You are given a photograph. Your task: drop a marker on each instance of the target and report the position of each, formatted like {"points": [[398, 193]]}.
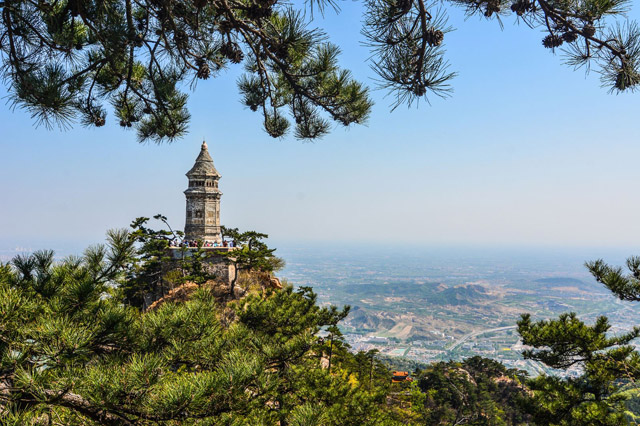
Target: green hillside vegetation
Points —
{"points": [[477, 391], [74, 352], [435, 294], [631, 392], [78, 346], [394, 363]]}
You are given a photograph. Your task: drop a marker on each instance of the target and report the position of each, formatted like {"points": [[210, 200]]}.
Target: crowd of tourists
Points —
{"points": [[196, 243]]}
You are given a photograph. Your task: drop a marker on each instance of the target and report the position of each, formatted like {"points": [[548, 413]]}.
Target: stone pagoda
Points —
{"points": [[203, 201]]}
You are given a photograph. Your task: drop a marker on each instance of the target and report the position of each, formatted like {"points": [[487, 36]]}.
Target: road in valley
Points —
{"points": [[466, 337]]}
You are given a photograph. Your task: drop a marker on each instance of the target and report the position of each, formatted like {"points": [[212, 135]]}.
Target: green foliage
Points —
{"points": [[76, 349], [631, 392], [73, 353], [252, 253], [625, 287], [146, 271], [401, 364], [152, 270], [477, 391], [604, 362], [65, 60]]}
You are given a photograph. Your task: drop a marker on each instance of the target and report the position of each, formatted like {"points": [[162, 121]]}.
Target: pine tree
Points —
{"points": [[73, 352], [152, 272], [252, 253], [477, 391], [67, 59], [605, 361]]}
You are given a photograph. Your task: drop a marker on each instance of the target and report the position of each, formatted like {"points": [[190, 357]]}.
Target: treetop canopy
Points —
{"points": [[66, 60]]}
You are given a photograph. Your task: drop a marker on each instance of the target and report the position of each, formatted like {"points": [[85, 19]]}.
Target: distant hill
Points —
{"points": [[568, 282], [440, 294], [460, 295], [359, 318], [561, 281]]}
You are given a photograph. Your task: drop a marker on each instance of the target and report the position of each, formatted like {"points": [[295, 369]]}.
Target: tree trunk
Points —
{"points": [[330, 353]]}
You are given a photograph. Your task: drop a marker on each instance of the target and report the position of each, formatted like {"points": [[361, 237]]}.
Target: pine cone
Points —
{"points": [[138, 40], [98, 121], [203, 69], [278, 49], [256, 11], [520, 7], [419, 89], [589, 30], [232, 52], [181, 37], [622, 81], [401, 5], [224, 27], [570, 37], [493, 6], [180, 9], [552, 41], [434, 37], [237, 57]]}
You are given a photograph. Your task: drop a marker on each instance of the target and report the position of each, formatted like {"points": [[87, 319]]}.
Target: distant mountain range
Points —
{"points": [[441, 294], [552, 282]]}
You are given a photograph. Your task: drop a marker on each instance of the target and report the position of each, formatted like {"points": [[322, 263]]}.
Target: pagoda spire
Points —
{"points": [[203, 166]]}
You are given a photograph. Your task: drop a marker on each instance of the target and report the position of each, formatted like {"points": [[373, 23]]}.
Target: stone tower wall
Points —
{"points": [[203, 200], [203, 217], [221, 267]]}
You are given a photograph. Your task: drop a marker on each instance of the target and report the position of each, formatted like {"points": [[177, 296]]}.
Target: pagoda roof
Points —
{"points": [[204, 164]]}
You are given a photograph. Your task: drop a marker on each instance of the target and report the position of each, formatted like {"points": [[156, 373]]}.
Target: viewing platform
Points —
{"points": [[210, 248], [216, 262]]}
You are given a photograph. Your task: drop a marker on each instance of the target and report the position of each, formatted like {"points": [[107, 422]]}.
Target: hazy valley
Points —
{"points": [[450, 304]]}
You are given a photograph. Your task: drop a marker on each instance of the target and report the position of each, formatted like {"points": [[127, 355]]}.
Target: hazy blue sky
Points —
{"points": [[527, 152]]}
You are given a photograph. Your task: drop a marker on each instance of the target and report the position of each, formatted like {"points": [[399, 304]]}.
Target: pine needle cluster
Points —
{"points": [[67, 60], [73, 352]]}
